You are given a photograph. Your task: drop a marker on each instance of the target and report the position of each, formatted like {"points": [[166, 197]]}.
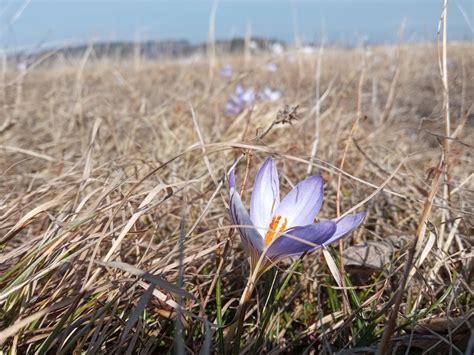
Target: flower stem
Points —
{"points": [[235, 331], [244, 300], [219, 315]]}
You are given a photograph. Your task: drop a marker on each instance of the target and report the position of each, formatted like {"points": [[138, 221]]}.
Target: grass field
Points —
{"points": [[115, 234]]}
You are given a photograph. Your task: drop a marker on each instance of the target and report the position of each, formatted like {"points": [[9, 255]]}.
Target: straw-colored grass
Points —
{"points": [[114, 230]]}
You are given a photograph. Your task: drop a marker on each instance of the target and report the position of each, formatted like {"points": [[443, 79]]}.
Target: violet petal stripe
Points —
{"points": [[346, 225], [252, 241], [265, 195], [232, 179], [285, 246], [303, 203]]}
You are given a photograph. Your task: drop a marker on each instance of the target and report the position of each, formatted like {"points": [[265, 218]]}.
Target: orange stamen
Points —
{"points": [[272, 232]]}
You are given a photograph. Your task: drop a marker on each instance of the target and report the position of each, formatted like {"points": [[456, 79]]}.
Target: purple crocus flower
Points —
{"points": [[241, 99], [226, 71], [268, 94], [280, 229], [271, 67]]}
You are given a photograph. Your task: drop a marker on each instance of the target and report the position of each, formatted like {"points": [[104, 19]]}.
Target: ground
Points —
{"points": [[115, 233]]}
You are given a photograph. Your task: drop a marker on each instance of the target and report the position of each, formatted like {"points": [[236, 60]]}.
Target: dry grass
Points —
{"points": [[113, 202]]}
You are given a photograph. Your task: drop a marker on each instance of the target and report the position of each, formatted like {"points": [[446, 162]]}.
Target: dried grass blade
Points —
{"points": [[26, 219], [333, 267], [138, 310], [148, 277], [23, 322]]}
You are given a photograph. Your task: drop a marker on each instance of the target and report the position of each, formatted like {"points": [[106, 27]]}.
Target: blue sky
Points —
{"points": [[44, 23]]}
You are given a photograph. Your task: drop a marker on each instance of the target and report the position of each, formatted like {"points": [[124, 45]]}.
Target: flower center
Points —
{"points": [[273, 231]]}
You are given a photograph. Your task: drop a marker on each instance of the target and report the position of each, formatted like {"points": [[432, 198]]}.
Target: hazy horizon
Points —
{"points": [[42, 23]]}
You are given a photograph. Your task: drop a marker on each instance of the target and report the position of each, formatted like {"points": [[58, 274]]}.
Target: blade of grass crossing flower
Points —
{"points": [[333, 267], [270, 279]]}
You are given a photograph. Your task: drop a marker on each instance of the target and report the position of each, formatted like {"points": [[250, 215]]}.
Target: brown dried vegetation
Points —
{"points": [[110, 186]]}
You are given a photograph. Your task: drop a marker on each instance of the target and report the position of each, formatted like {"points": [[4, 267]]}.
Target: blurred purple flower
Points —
{"points": [[239, 100], [226, 71], [268, 94], [271, 67], [282, 229], [22, 67]]}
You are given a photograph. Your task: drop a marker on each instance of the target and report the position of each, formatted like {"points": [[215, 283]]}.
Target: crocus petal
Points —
{"points": [[239, 90], [346, 225], [226, 71], [303, 203], [236, 100], [248, 97], [265, 195], [252, 241], [271, 67], [268, 94], [273, 95], [232, 179], [285, 245], [231, 109]]}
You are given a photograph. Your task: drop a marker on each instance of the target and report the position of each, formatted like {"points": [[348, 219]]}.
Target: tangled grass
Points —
{"points": [[114, 230]]}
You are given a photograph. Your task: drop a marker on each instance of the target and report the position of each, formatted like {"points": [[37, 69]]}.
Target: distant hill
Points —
{"points": [[147, 49]]}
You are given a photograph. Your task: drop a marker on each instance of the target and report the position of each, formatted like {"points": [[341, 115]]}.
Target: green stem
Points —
{"points": [[220, 332], [241, 313]]}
